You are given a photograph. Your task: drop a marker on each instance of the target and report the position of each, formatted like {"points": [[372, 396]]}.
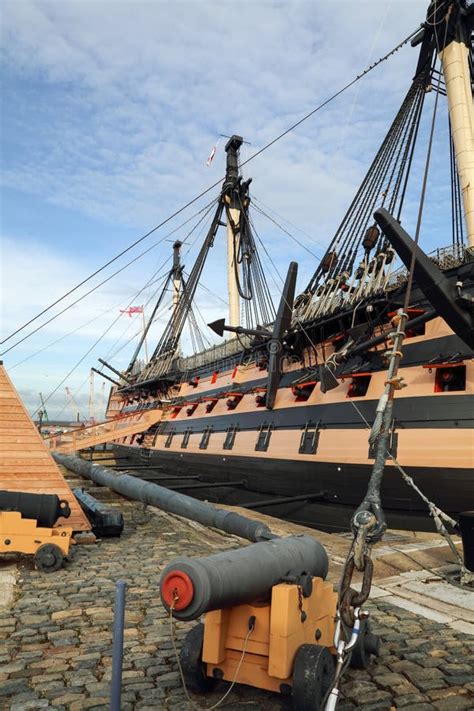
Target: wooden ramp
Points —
{"points": [[108, 431], [25, 462]]}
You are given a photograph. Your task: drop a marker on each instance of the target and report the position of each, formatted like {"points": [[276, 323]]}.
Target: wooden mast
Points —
{"points": [[177, 270], [233, 221], [455, 61], [234, 301]]}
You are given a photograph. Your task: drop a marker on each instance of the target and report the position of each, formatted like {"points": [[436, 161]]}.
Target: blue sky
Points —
{"points": [[109, 112]]}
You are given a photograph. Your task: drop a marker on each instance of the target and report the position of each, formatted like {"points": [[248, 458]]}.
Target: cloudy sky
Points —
{"points": [[109, 112]]}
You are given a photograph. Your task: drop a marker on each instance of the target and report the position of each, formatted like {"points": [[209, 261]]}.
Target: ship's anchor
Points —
{"points": [[276, 336]]}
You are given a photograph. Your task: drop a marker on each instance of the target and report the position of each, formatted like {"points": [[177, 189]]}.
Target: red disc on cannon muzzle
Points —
{"points": [[177, 586]]}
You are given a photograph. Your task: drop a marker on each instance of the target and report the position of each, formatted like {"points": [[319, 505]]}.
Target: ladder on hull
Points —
{"points": [[108, 431]]}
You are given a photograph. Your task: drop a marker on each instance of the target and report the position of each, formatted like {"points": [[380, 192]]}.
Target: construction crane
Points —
{"points": [[102, 401], [72, 402], [42, 413], [91, 398]]}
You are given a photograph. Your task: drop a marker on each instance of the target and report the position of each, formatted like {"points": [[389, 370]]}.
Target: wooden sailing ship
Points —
{"points": [[275, 417]]}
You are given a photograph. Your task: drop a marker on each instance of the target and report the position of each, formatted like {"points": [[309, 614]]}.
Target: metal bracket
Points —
{"points": [[230, 437], [186, 437], [206, 435], [310, 438], [263, 439], [169, 439]]}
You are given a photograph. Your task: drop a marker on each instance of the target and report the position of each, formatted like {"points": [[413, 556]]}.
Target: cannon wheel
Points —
{"points": [[313, 673], [368, 643], [194, 670], [49, 557]]}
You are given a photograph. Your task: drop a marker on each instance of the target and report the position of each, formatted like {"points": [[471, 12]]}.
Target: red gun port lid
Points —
{"points": [[177, 586]]}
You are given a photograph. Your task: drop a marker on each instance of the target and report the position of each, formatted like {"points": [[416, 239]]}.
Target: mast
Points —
{"points": [[246, 278], [231, 198], [457, 75], [176, 277]]}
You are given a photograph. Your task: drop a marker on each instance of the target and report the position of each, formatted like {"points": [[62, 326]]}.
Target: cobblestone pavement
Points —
{"points": [[55, 639]]}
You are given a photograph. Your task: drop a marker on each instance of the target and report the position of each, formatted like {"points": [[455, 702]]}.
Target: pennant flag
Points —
{"points": [[132, 310], [211, 155]]}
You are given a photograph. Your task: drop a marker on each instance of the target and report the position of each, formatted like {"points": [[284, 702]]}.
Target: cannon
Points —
{"points": [[44, 508], [105, 521], [269, 619], [26, 526]]}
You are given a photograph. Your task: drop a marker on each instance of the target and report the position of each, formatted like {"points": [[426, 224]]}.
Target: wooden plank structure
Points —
{"points": [[25, 462], [108, 431]]}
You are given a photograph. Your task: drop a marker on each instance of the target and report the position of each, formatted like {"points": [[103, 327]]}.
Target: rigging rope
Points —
{"points": [[97, 341], [79, 328], [295, 239], [166, 347], [392, 159], [334, 96], [425, 175], [118, 271], [368, 522], [150, 282], [209, 291], [207, 190]]}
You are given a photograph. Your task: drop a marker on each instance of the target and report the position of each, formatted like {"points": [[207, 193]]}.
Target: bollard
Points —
{"points": [[466, 524], [117, 646]]}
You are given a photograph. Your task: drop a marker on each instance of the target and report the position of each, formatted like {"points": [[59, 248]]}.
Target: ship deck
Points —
{"points": [[56, 630]]}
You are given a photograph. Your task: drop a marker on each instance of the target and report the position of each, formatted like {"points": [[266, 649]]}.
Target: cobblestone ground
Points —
{"points": [[55, 639]]}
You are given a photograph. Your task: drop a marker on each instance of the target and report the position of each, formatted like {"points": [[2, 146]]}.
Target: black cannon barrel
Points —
{"points": [[168, 500], [45, 509], [238, 576], [105, 520]]}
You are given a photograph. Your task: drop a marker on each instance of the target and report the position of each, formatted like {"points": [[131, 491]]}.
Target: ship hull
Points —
{"points": [[333, 491], [217, 441]]}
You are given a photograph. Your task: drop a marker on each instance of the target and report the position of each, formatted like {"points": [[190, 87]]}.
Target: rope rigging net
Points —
{"points": [[257, 306], [357, 262]]}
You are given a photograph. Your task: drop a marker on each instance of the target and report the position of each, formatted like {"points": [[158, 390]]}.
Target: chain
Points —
{"points": [[368, 523], [300, 603]]}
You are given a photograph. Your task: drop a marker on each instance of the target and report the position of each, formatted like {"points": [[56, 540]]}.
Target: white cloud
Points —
{"points": [[113, 108], [141, 89]]}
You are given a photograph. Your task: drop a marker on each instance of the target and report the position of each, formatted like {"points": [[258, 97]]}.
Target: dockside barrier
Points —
{"points": [[167, 500]]}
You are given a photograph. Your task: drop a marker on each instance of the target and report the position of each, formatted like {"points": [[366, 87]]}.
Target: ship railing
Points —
{"points": [[183, 364], [137, 367], [444, 257], [373, 283], [218, 352]]}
